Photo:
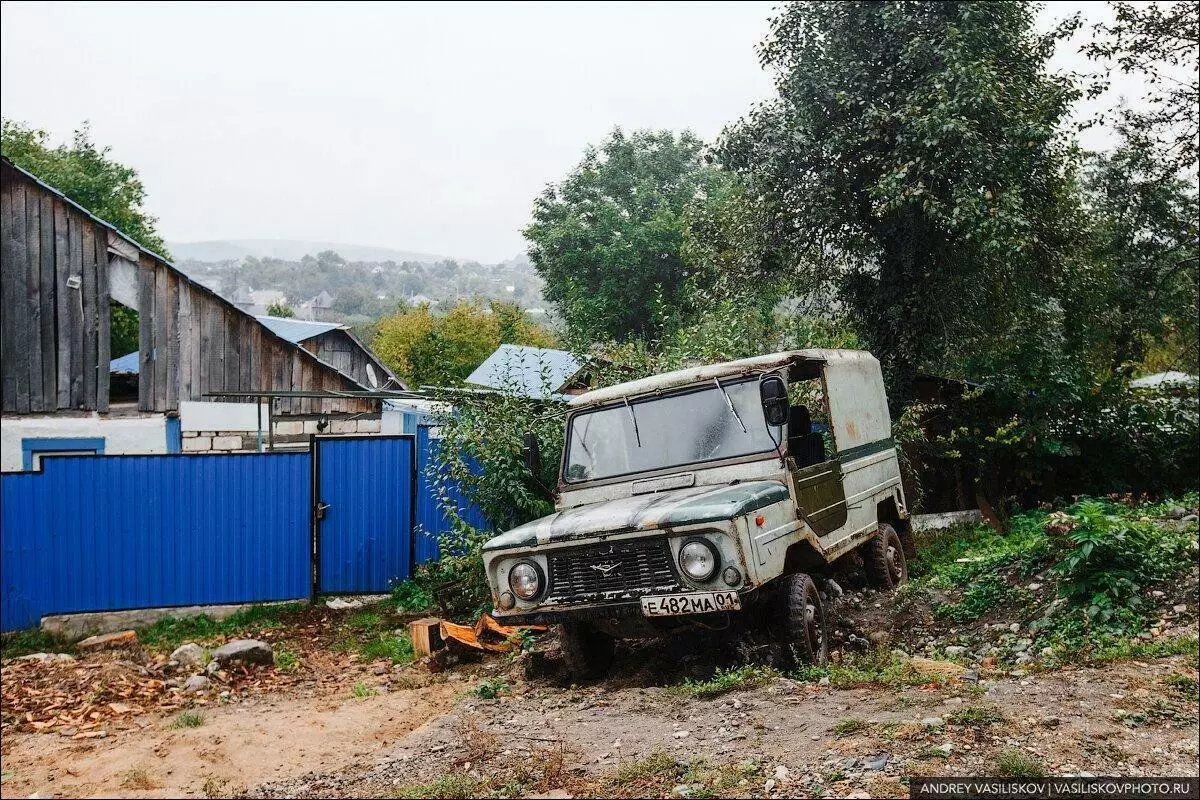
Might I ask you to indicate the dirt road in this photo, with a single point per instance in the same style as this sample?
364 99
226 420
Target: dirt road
783 738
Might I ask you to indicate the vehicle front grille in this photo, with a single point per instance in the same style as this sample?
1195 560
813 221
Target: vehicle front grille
611 570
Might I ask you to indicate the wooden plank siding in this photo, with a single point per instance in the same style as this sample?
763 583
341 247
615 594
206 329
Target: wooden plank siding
56 320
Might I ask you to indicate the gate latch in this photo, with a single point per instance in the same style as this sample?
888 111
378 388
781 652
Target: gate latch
321 509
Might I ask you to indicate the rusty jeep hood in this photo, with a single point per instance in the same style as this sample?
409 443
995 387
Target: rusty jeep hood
644 512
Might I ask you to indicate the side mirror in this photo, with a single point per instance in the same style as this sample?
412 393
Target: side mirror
531 453
773 393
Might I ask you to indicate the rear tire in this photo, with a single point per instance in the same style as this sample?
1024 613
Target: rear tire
884 560
588 652
804 626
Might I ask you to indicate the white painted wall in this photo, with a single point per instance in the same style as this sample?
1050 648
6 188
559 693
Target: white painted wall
196 415
122 435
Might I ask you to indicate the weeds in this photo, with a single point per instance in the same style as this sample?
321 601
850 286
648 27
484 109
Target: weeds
1184 684
286 660
982 596
656 765
138 779
845 727
930 752
188 719
35 640
976 715
879 667
361 691
729 680
491 689
410 597
1015 764
170 632
447 787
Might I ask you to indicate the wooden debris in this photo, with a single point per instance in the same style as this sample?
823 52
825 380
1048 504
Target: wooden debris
109 640
426 636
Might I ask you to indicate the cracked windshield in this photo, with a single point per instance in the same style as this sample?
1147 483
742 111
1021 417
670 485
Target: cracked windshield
723 421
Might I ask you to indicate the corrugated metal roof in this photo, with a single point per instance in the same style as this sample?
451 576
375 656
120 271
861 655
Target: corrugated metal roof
535 372
128 364
296 330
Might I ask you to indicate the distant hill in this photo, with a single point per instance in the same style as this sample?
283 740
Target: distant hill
289 250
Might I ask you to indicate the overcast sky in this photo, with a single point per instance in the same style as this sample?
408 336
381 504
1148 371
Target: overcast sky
426 127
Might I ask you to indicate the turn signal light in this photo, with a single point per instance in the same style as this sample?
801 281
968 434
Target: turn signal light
760 520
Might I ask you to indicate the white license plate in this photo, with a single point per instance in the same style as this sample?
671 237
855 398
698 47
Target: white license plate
672 605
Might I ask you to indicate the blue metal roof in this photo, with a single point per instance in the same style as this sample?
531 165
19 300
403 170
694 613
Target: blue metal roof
532 371
128 364
296 330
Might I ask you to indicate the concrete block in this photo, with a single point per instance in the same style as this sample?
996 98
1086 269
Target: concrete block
197 443
343 426
310 426
289 428
75 626
227 443
368 425
190 434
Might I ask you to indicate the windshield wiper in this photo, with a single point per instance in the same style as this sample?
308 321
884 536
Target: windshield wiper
637 435
729 401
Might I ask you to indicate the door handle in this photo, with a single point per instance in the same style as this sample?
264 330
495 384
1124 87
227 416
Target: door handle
321 509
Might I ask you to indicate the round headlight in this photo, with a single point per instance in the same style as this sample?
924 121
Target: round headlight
526 580
698 560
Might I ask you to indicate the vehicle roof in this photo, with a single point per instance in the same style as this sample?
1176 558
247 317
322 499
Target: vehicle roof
793 360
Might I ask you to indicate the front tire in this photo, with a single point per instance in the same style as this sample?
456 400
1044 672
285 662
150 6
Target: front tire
884 560
804 623
588 652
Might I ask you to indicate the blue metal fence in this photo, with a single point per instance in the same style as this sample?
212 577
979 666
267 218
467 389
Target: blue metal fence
106 533
365 486
97 533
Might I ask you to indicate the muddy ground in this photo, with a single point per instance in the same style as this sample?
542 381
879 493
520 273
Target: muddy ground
344 727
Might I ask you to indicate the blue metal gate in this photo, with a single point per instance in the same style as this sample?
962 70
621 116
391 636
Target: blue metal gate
431 519
104 533
363 512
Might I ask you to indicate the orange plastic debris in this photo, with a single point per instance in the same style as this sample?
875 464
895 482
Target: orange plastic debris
485 634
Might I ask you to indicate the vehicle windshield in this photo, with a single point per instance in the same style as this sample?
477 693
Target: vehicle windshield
707 423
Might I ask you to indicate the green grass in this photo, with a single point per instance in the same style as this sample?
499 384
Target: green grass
656 765
372 635
1015 764
170 632
1184 684
984 594
447 787
878 667
491 689
286 660
188 719
976 715
729 680
35 640
361 691
1131 649
930 752
845 727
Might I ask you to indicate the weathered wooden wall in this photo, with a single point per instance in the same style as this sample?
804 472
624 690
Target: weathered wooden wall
339 349
54 340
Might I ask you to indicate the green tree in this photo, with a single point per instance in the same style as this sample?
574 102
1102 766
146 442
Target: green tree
280 309
427 349
913 159
606 239
86 174
1160 42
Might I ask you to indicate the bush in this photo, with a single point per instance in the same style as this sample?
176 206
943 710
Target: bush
1107 560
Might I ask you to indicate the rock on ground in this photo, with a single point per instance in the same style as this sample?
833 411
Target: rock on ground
109 640
196 683
190 655
246 651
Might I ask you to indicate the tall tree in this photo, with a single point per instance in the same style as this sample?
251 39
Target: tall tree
913 159
1161 43
606 239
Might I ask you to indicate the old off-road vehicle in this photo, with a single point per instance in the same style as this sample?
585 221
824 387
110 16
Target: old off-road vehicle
708 496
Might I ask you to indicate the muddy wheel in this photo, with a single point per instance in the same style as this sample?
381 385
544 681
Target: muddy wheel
804 619
587 652
884 560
